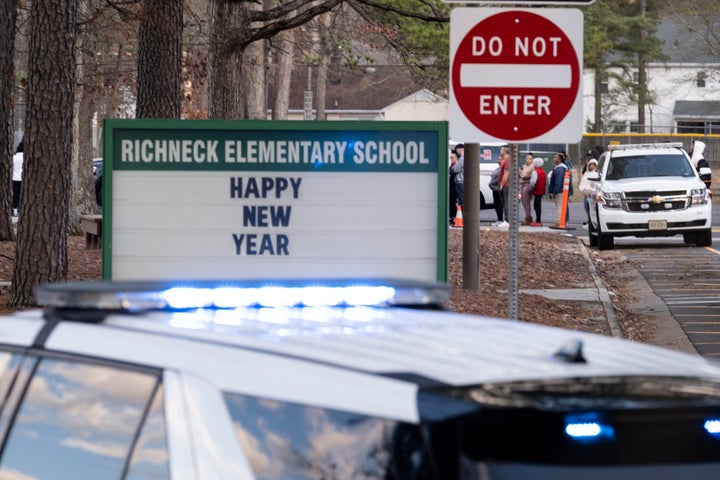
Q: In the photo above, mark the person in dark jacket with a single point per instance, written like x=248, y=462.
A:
x=556, y=185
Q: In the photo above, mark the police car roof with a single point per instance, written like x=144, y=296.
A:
x=333, y=356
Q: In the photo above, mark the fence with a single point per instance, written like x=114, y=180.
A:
x=711, y=153
x=712, y=142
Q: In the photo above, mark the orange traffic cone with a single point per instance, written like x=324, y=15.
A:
x=458, y=217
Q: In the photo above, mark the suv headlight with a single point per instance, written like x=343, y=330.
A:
x=699, y=196
x=611, y=199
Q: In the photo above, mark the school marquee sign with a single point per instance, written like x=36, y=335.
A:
x=241, y=199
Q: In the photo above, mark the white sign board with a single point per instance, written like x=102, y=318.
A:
x=214, y=200
x=516, y=75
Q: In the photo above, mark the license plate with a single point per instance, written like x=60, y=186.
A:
x=657, y=225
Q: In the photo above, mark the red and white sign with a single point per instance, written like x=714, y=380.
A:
x=516, y=75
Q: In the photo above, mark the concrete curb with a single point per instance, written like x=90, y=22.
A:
x=603, y=296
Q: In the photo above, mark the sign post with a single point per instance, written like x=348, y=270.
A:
x=516, y=76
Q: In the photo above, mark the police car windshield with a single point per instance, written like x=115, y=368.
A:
x=638, y=166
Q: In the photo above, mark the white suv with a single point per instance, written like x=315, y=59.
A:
x=648, y=190
x=336, y=379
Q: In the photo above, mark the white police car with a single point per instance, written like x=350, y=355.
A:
x=335, y=380
x=648, y=190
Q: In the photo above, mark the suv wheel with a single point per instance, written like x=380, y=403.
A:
x=703, y=238
x=592, y=233
x=605, y=241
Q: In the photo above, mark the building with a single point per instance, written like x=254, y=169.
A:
x=684, y=88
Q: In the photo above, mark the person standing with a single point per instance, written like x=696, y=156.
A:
x=526, y=172
x=539, y=185
x=497, y=195
x=566, y=160
x=460, y=174
x=698, y=159
x=452, y=199
x=585, y=188
x=556, y=186
x=17, y=176
x=504, y=183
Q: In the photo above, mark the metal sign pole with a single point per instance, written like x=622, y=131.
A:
x=513, y=233
x=471, y=216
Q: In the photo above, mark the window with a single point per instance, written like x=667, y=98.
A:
x=700, y=80
x=604, y=88
x=81, y=420
x=294, y=441
x=648, y=166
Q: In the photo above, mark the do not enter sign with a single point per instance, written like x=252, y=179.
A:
x=516, y=75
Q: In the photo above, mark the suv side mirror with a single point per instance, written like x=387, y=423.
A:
x=594, y=176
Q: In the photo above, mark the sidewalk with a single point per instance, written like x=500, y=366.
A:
x=645, y=304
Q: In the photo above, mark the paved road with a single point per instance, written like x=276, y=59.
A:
x=577, y=217
x=686, y=278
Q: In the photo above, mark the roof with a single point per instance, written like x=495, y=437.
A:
x=685, y=39
x=358, y=89
x=702, y=109
x=299, y=355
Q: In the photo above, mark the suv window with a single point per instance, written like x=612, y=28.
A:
x=285, y=440
x=649, y=166
x=80, y=420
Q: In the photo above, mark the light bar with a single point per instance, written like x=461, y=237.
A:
x=638, y=146
x=713, y=427
x=583, y=430
x=224, y=294
x=587, y=428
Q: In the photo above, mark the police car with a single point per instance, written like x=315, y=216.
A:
x=335, y=379
x=648, y=190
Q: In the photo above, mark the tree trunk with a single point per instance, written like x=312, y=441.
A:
x=8, y=17
x=41, y=254
x=224, y=61
x=254, y=81
x=321, y=88
x=642, y=75
x=283, y=74
x=160, y=59
x=324, y=52
x=82, y=199
x=598, y=100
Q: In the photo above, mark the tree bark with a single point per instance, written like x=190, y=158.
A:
x=224, y=61
x=283, y=74
x=160, y=59
x=82, y=199
x=234, y=26
x=41, y=254
x=324, y=52
x=8, y=17
x=598, y=100
x=254, y=81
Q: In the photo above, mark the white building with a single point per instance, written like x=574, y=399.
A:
x=684, y=88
